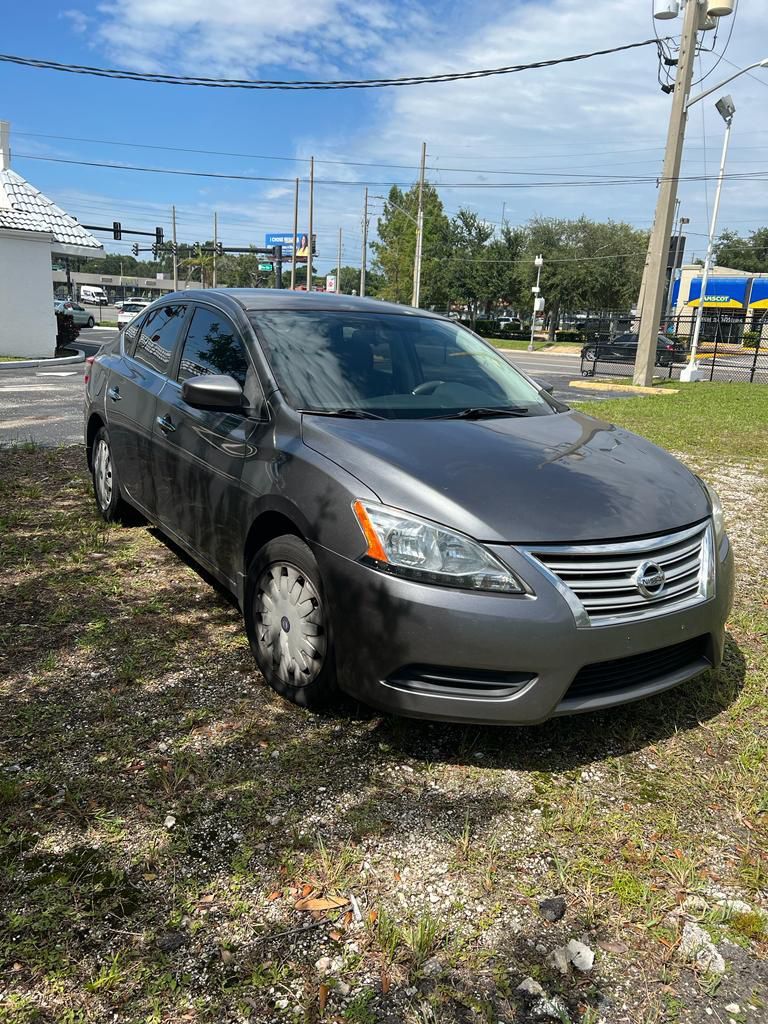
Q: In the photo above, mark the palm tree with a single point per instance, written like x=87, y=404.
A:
x=202, y=262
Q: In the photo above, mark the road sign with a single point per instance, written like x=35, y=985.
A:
x=330, y=283
x=265, y=267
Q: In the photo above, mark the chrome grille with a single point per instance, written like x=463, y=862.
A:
x=605, y=583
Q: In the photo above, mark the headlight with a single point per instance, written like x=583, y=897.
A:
x=418, y=550
x=717, y=513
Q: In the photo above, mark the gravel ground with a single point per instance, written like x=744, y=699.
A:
x=178, y=844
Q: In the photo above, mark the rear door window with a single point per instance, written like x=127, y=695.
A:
x=131, y=335
x=158, y=335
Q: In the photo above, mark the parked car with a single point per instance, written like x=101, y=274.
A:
x=121, y=302
x=623, y=349
x=510, y=323
x=80, y=316
x=129, y=309
x=403, y=515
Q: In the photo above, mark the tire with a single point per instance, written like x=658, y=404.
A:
x=106, y=485
x=91, y=322
x=590, y=354
x=288, y=623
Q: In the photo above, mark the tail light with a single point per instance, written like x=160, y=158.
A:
x=88, y=365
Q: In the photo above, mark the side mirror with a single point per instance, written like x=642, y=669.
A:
x=546, y=386
x=213, y=391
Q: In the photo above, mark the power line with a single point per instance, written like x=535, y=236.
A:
x=593, y=181
x=258, y=83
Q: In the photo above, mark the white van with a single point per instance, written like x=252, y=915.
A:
x=93, y=295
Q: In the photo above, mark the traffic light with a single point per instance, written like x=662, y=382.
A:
x=117, y=230
x=135, y=248
x=277, y=252
x=219, y=248
x=158, y=236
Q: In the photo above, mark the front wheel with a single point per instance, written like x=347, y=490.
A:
x=91, y=321
x=106, y=487
x=288, y=623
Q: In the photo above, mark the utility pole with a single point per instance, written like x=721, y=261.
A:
x=215, y=241
x=658, y=245
x=175, y=256
x=311, y=220
x=419, y=232
x=364, y=260
x=295, y=233
x=675, y=261
x=338, y=266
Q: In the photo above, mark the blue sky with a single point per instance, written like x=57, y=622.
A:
x=604, y=116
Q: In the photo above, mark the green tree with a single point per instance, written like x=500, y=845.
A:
x=396, y=244
x=469, y=267
x=749, y=254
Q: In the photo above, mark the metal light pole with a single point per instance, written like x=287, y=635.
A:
x=311, y=220
x=175, y=256
x=295, y=233
x=338, y=266
x=419, y=232
x=538, y=263
x=675, y=258
x=364, y=260
x=726, y=109
x=215, y=240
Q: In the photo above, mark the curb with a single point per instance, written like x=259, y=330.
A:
x=635, y=389
x=30, y=364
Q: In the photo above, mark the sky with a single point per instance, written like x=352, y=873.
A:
x=532, y=134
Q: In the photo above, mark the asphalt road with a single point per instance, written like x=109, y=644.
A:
x=46, y=405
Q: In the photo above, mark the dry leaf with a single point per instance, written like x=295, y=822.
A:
x=322, y=996
x=373, y=916
x=397, y=876
x=347, y=919
x=613, y=946
x=274, y=895
x=306, y=890
x=150, y=876
x=336, y=935
x=206, y=899
x=321, y=903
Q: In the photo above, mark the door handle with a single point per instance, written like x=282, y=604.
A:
x=166, y=424
x=114, y=393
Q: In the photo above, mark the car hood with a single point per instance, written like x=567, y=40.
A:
x=565, y=477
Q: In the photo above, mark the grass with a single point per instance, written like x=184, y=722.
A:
x=162, y=813
x=711, y=420
x=540, y=346
x=11, y=359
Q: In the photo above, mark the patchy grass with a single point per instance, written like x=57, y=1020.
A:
x=705, y=420
x=178, y=844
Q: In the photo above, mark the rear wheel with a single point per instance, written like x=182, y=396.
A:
x=91, y=321
x=288, y=625
x=106, y=486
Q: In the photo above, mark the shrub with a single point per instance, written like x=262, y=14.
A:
x=568, y=336
x=750, y=339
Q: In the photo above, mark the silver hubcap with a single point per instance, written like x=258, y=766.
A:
x=290, y=627
x=102, y=473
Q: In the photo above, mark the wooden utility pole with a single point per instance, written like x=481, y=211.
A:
x=419, y=232
x=311, y=220
x=295, y=233
x=654, y=277
x=364, y=260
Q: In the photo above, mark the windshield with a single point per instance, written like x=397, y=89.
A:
x=382, y=364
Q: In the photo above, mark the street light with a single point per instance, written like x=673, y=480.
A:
x=726, y=109
x=538, y=263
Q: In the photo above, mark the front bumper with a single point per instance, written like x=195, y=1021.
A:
x=385, y=628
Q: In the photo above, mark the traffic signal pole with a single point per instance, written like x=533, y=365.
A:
x=175, y=256
x=658, y=245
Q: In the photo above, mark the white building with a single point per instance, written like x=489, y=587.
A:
x=32, y=228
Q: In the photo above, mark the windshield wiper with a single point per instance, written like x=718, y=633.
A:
x=481, y=412
x=352, y=414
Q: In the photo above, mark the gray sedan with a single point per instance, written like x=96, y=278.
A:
x=80, y=315
x=401, y=514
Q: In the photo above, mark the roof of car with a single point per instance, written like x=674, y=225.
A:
x=253, y=299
